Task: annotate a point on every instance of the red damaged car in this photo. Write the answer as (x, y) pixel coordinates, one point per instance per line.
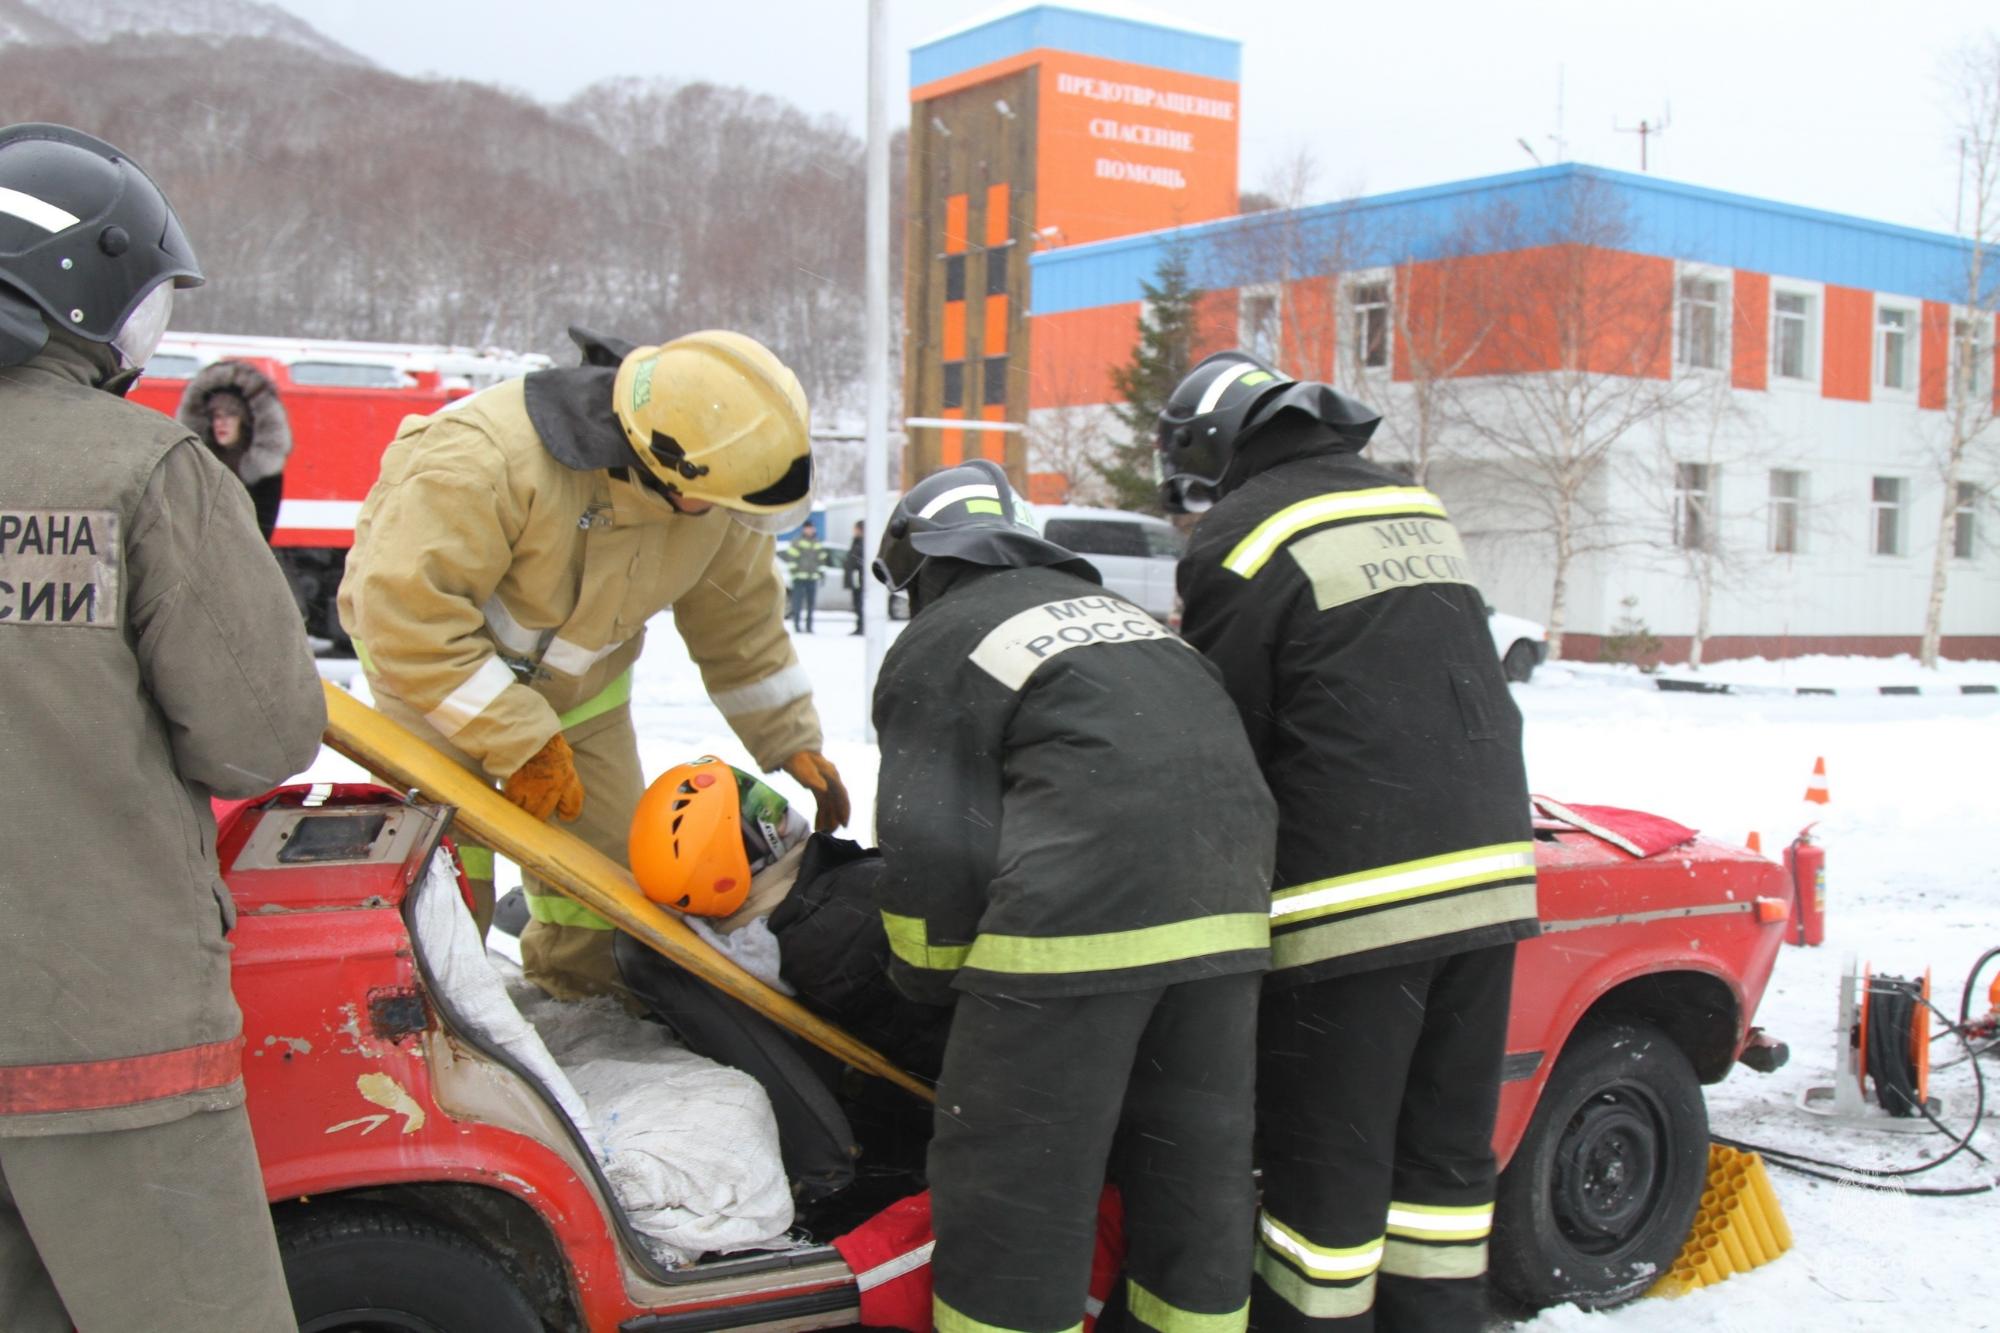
(422, 1176)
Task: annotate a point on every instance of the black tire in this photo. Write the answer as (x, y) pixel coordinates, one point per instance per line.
(381, 1270)
(1602, 1192)
(1519, 663)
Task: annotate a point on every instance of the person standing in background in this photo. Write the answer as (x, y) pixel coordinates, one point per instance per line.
(851, 577)
(804, 556)
(235, 409)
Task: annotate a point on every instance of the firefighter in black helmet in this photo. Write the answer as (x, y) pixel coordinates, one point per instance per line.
(1337, 600)
(1076, 849)
(161, 665)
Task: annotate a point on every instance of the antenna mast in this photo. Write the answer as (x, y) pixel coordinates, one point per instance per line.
(1646, 129)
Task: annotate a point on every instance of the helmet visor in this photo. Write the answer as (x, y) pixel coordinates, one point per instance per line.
(140, 335)
(773, 522)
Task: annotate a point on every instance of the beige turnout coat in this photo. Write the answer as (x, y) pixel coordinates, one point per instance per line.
(150, 657)
(504, 595)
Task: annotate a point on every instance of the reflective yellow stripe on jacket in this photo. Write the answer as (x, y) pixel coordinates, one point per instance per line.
(1331, 918)
(909, 938)
(1269, 537)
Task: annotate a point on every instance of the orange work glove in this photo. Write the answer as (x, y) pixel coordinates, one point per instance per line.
(547, 784)
(815, 771)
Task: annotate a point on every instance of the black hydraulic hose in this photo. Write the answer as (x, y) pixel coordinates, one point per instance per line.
(1881, 1178)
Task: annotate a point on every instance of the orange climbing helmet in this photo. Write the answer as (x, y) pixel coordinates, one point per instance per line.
(702, 830)
(686, 844)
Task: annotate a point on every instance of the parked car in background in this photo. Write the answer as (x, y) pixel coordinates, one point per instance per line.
(1522, 644)
(1136, 553)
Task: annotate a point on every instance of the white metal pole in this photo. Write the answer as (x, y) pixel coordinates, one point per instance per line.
(875, 462)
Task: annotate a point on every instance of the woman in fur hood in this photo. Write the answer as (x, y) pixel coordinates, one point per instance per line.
(234, 407)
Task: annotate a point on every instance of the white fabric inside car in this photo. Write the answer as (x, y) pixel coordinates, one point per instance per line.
(690, 1146)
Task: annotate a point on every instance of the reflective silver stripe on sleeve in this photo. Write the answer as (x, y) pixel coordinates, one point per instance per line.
(471, 698)
(779, 688)
(572, 660)
(36, 212)
(508, 632)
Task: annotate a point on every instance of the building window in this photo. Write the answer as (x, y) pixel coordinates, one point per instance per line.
(1694, 498)
(1788, 499)
(996, 381)
(1889, 497)
(1257, 323)
(996, 271)
(1893, 327)
(1972, 355)
(1792, 336)
(1370, 303)
(1964, 532)
(1701, 322)
(954, 277)
(954, 384)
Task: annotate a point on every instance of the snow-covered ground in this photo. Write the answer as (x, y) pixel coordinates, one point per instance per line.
(1913, 875)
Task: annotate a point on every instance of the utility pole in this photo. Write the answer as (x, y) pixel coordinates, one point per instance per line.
(875, 458)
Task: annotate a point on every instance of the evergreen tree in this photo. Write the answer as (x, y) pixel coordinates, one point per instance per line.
(1159, 362)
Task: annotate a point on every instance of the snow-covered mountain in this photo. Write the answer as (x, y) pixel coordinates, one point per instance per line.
(46, 22)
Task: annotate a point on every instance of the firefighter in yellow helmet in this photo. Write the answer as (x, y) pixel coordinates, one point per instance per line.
(508, 558)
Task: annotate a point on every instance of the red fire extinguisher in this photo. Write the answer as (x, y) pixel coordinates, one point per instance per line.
(1806, 860)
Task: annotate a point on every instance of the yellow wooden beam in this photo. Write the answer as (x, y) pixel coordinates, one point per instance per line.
(580, 872)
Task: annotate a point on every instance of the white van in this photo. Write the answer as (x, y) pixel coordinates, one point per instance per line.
(1136, 553)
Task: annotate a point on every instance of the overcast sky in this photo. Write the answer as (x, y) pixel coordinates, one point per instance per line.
(1834, 104)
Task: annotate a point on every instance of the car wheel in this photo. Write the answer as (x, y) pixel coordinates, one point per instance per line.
(1602, 1192)
(381, 1270)
(1519, 663)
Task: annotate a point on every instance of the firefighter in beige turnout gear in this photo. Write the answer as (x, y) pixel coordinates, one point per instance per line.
(508, 558)
(153, 659)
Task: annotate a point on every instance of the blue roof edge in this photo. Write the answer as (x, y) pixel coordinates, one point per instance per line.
(1082, 257)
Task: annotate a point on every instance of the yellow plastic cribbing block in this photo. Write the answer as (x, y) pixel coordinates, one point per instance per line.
(1738, 1225)
(1766, 1200)
(1746, 1218)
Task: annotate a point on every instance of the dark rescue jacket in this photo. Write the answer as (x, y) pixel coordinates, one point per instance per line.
(1337, 601)
(1067, 805)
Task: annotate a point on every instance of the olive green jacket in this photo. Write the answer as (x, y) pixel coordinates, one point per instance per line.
(153, 658)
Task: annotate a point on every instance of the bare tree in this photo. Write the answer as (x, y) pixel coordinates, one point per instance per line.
(1704, 521)
(1969, 391)
(1576, 358)
(328, 199)
(1284, 262)
(1437, 318)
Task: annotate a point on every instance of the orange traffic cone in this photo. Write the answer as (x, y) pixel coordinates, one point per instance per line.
(1816, 789)
(1755, 842)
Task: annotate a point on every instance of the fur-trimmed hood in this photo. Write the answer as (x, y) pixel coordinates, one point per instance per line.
(270, 433)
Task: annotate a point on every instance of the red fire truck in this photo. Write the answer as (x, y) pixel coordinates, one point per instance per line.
(422, 1177)
(344, 401)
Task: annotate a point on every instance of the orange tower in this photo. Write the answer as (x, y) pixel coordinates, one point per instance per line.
(1050, 125)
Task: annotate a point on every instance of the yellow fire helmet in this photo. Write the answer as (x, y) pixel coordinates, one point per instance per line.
(719, 418)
